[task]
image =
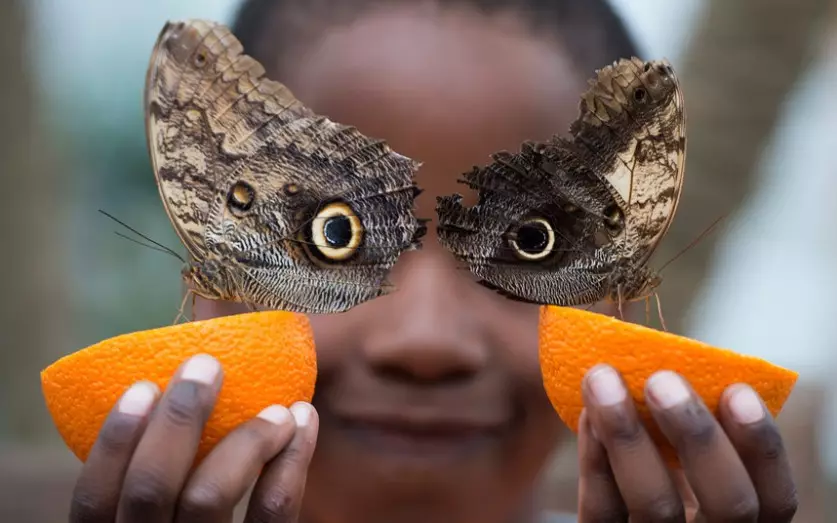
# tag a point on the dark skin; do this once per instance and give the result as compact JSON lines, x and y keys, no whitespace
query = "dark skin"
{"x":429,"y":404}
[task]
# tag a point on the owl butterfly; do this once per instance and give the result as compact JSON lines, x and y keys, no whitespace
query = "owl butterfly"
{"x":278,"y":207}
{"x":573,"y":221}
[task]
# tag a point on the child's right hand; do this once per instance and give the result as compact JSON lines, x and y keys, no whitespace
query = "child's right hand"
{"x":139,"y":468}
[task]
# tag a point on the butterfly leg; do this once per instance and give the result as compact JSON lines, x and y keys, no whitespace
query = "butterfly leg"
{"x":183,"y":307}
{"x":660,"y":312}
{"x":619,"y":302}
{"x":647,"y":310}
{"x":251,"y":307}
{"x":194,"y":300}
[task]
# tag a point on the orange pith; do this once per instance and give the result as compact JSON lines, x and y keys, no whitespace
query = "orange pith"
{"x":572,"y":341}
{"x":266,"y":357}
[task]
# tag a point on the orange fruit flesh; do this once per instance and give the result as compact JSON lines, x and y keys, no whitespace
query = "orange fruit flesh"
{"x":267,"y":358}
{"x":572,"y":341}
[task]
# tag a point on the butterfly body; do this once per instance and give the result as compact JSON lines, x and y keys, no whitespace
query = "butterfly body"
{"x":574,"y":220}
{"x":277,"y":206}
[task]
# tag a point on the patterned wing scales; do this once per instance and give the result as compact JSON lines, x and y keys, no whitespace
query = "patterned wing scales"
{"x":600,"y":199}
{"x":632,"y":133}
{"x":245,"y":172}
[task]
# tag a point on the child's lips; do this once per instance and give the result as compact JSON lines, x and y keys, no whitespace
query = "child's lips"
{"x":421,"y":435}
{"x":406,"y":423}
{"x":421,"y":423}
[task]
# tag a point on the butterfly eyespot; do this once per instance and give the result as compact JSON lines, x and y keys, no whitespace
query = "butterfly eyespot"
{"x":201,"y":58}
{"x":640,"y":94}
{"x":614,"y":219}
{"x":534,"y":240}
{"x":241,"y":197}
{"x":290,"y":189}
{"x":336,"y":232}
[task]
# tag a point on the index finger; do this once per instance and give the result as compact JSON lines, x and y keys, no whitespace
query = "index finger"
{"x":96,"y":493}
{"x":164,"y":456}
{"x":599,"y":498}
{"x":640,"y":473}
{"x":711,"y":463}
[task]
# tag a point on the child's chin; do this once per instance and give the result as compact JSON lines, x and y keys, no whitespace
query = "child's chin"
{"x":413,"y":484}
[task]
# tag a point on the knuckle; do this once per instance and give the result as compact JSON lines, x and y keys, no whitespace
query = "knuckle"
{"x":183,"y":406}
{"x":254,"y":433}
{"x":258,"y":439}
{"x":662,"y":510}
{"x":275,"y":506}
{"x":296,"y":458}
{"x":771,"y":447}
{"x":117,"y":435}
{"x":202,"y":500}
{"x":595,"y":513}
{"x":85,"y":507}
{"x":698,"y":429}
{"x":293,"y":457}
{"x":626,"y":436}
{"x":744,"y":510}
{"x":623,"y":430}
{"x":146,"y":494}
{"x":783,"y":510}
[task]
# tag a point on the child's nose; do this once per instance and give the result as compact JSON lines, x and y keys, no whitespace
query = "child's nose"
{"x":429,"y":328}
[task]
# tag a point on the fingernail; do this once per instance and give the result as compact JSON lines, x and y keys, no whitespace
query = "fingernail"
{"x":745,"y":405}
{"x":202,"y":368}
{"x":276,"y":414}
{"x":302,"y":413}
{"x":606,"y":387}
{"x":667,"y":389}
{"x":138,"y":400}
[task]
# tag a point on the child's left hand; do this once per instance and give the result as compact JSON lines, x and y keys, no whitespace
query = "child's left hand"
{"x":735,"y":470}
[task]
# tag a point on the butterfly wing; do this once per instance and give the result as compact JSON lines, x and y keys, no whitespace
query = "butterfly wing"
{"x":245,"y":172}
{"x":587,"y":205}
{"x":525,"y":238}
{"x":631,"y":132}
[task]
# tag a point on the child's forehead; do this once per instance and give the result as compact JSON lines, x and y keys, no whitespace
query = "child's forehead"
{"x":445,"y":88}
{"x":438,"y":45}
{"x":399,"y":74}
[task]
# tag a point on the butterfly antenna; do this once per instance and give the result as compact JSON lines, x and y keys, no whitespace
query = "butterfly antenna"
{"x":151,"y":245}
{"x":694,"y":242}
{"x":146,"y":245}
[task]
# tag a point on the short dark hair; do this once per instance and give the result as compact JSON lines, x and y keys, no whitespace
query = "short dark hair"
{"x":589,"y":30}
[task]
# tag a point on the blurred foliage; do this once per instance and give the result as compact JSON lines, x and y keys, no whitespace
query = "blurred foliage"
{"x":109,"y":160}
{"x":90,"y":61}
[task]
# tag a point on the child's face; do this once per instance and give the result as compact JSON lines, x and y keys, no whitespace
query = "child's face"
{"x":430,"y":399}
